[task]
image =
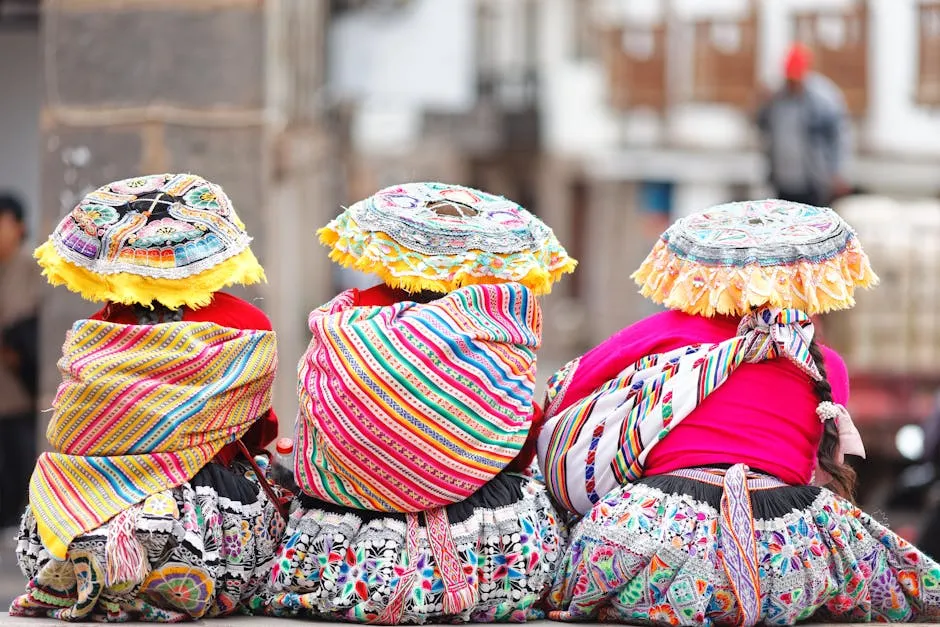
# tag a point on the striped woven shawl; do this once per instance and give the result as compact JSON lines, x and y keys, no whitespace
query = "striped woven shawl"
{"x":142,"y":409}
{"x":413,"y":406}
{"x":601,"y":441}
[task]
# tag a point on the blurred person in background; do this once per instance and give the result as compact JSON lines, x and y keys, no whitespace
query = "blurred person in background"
{"x":805,"y":131}
{"x":19,"y":339}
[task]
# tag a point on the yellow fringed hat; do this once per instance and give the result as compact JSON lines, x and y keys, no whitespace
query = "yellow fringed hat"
{"x":174,"y":239}
{"x":439,"y":237}
{"x":731,"y":258}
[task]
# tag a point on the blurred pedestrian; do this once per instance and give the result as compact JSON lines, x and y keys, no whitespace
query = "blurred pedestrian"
{"x":806,"y":135}
{"x":20,"y":283}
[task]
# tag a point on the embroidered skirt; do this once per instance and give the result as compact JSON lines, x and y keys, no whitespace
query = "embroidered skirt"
{"x":488,"y":558}
{"x":206,"y":546}
{"x":730,"y":547}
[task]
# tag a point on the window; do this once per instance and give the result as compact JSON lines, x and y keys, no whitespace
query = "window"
{"x":636,"y":66}
{"x":725,"y":55}
{"x":928,"y":79}
{"x":19,"y":14}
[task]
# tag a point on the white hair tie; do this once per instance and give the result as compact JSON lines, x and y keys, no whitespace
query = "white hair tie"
{"x":850,"y":441}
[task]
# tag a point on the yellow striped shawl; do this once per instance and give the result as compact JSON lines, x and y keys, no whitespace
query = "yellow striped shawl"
{"x":142,"y":409}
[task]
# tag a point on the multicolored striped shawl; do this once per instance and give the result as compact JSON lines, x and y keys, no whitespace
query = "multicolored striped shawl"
{"x":601,"y":441}
{"x":142,"y":409}
{"x":412,"y":406}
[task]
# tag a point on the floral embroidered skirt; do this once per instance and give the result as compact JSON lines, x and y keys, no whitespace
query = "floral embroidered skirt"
{"x":488,"y":558}
{"x":663,"y":551}
{"x":206,"y":547}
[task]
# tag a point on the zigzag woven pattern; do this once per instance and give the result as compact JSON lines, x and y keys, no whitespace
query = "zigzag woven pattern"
{"x":412,"y":406}
{"x":142,"y":409}
{"x":602,"y":441}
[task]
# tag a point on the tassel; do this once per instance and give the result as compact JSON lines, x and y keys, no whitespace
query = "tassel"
{"x":456,"y":600}
{"x":459,"y":593}
{"x":126,"y":559}
{"x":392,"y":613}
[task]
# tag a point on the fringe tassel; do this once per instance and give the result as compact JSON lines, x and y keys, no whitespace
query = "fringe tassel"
{"x":456,"y":600}
{"x":460,"y":592}
{"x":351,"y":248}
{"x":126,"y":559}
{"x":136,"y":289}
{"x":703,"y":290}
{"x":392,"y":613}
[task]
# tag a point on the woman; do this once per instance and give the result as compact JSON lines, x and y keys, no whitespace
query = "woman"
{"x":415,"y":409}
{"x":150,"y":505}
{"x":690,"y":441}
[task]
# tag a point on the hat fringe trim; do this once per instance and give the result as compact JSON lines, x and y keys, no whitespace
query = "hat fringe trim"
{"x":129,"y":289}
{"x":402,"y":276}
{"x":815,"y":287}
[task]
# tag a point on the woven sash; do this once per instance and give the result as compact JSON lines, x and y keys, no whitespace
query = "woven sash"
{"x":142,"y":409}
{"x":602,"y":441}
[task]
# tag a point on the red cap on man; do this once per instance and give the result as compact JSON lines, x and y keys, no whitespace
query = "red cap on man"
{"x":799,"y":62}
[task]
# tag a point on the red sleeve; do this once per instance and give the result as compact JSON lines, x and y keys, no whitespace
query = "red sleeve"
{"x":230,"y":311}
{"x":380,"y":295}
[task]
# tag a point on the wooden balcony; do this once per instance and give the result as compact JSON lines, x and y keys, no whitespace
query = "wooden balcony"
{"x":635,"y":58}
{"x":725,"y":61}
{"x":928,"y":73}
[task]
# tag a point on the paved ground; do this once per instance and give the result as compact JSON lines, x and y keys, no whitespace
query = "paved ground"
{"x":247,"y":621}
{"x":239,"y":621}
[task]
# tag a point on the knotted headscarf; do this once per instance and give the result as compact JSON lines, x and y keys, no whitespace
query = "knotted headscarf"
{"x":590,"y":447}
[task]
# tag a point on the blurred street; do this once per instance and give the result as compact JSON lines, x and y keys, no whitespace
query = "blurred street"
{"x":11,"y":580}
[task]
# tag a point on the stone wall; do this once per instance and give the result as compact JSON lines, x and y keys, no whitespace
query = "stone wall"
{"x":206,"y":86}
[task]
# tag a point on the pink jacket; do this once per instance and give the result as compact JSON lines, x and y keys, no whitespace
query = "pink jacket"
{"x":763,"y":416}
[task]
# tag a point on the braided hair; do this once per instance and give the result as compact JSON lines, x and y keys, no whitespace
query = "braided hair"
{"x":158,"y":314}
{"x":424,"y":297}
{"x":843,"y":475}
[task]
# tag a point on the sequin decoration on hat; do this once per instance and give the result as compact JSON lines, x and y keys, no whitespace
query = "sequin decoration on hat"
{"x":438,"y":237}
{"x":168,"y":238}
{"x":734,"y":257}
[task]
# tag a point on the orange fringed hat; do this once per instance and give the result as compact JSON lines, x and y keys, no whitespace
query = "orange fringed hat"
{"x":731,"y":258}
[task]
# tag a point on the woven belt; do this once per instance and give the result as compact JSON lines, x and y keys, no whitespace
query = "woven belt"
{"x":737,"y":535}
{"x":460,"y":591}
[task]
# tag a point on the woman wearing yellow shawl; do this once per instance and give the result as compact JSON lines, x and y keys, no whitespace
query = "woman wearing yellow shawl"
{"x":150,"y":504}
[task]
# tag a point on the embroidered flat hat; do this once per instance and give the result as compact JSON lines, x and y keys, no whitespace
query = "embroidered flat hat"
{"x":438,"y":237}
{"x":732,"y":258}
{"x":174,"y":239}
